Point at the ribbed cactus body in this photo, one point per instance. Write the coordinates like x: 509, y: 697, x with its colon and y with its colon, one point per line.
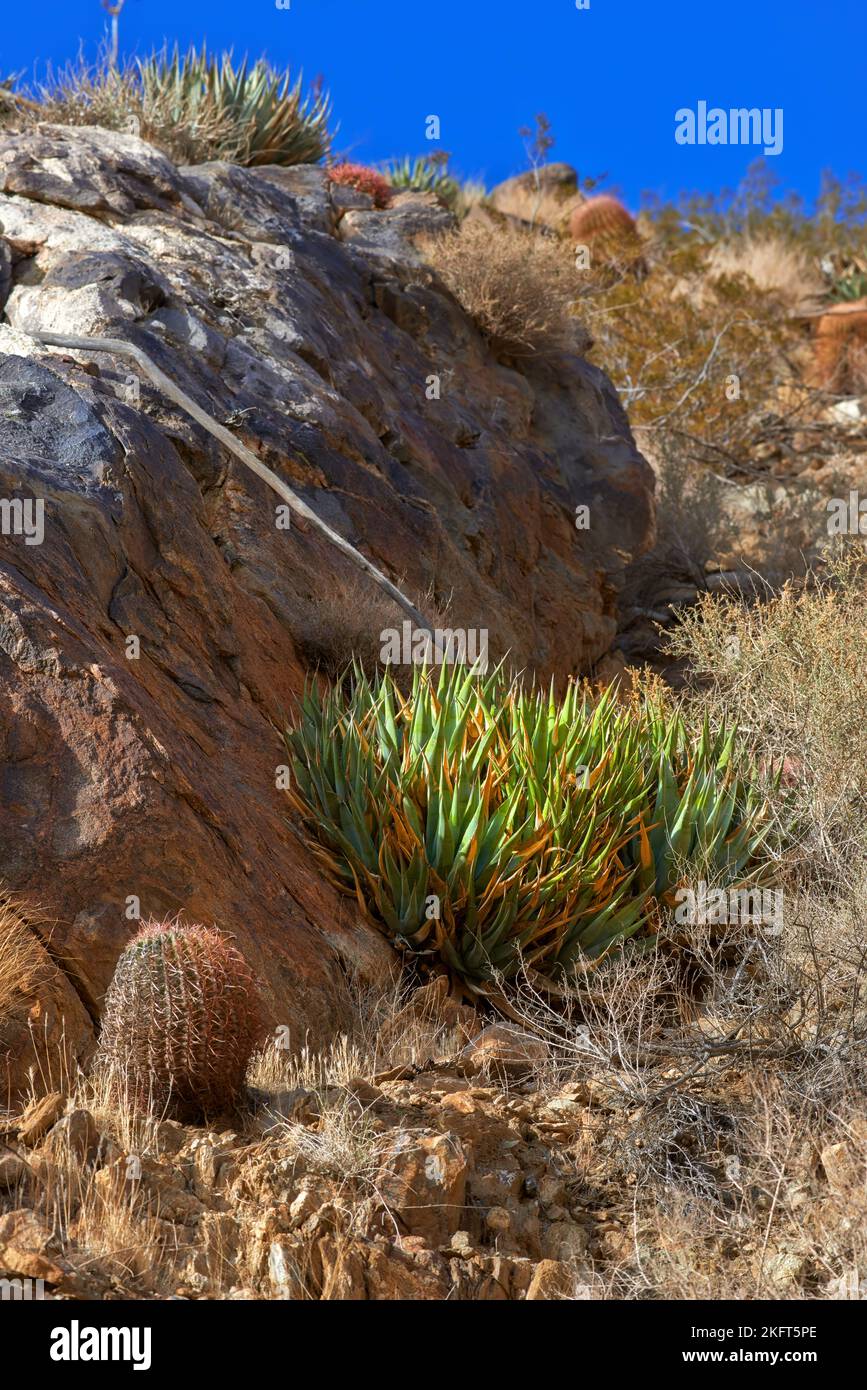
x: 182, y: 1017
x: 605, y: 226
x: 601, y: 217
x: 838, y: 331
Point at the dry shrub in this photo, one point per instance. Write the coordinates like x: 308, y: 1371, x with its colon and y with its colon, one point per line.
x: 726, y: 1081
x: 672, y: 354
x: 790, y: 671
x: 392, y: 1025
x: 776, y: 266
x: 777, y: 1210
x: 343, y: 620
x: 339, y: 624
x: 519, y: 287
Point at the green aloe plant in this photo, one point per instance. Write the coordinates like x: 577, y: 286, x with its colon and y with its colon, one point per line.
x: 704, y: 817
x: 488, y: 824
x: 262, y: 114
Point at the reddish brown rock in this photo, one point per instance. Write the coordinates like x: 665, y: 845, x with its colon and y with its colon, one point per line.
x: 423, y: 1183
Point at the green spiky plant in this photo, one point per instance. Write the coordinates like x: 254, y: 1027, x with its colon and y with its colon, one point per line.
x: 264, y: 117
x: 850, y: 287
x: 424, y: 174
x: 182, y: 1017
x: 544, y: 831
x: 703, y: 817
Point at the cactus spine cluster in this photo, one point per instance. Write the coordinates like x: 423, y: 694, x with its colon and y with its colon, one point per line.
x: 182, y: 1017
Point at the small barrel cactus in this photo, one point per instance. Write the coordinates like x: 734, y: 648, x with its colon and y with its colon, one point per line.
x: 363, y: 180
x: 841, y: 333
x: 182, y: 1018
x: 602, y: 216
x: 604, y: 224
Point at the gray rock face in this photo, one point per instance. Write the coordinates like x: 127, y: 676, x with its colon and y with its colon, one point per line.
x: 145, y: 770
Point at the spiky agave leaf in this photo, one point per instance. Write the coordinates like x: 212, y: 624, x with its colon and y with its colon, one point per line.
x: 422, y: 175
x: 263, y: 116
x: 705, y: 817
x: 546, y: 828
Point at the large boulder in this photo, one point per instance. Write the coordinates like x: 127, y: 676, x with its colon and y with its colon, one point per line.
x: 153, y: 641
x: 546, y: 196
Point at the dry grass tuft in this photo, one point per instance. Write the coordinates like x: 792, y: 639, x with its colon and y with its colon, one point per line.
x: 115, y: 99
x: 775, y: 265
x: 343, y: 620
x: 22, y: 959
x: 519, y: 287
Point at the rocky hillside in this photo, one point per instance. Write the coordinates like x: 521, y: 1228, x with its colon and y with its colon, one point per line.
x: 152, y: 643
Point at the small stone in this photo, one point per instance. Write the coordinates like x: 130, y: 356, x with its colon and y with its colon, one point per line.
x: 169, y: 1137
x: 461, y: 1243
x: 552, y: 1191
x: 423, y: 1182
x: 283, y: 1269
x: 840, y: 1168
x: 498, y: 1220
x: 551, y: 1280
x: 24, y: 1253
x: 364, y: 1091
x: 304, y: 1205
x: 564, y: 1241
x: 784, y: 1270
x: 75, y: 1136
x: 503, y: 1047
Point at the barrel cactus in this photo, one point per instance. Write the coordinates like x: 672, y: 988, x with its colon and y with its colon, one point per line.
x: 604, y: 224
x: 182, y: 1018
x: 363, y: 180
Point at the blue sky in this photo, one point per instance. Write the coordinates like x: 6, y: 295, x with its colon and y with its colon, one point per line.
x: 610, y: 77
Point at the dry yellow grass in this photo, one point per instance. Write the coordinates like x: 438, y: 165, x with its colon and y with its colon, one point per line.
x: 790, y: 670
x: 519, y: 287
x: 22, y: 959
x: 776, y: 266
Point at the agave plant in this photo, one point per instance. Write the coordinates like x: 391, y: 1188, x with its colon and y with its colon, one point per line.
x: 850, y: 287
x: 424, y: 174
x: 263, y: 116
x: 490, y: 825
x: 704, y: 817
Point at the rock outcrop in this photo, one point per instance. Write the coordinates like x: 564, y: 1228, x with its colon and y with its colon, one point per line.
x: 153, y: 642
x: 546, y: 197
